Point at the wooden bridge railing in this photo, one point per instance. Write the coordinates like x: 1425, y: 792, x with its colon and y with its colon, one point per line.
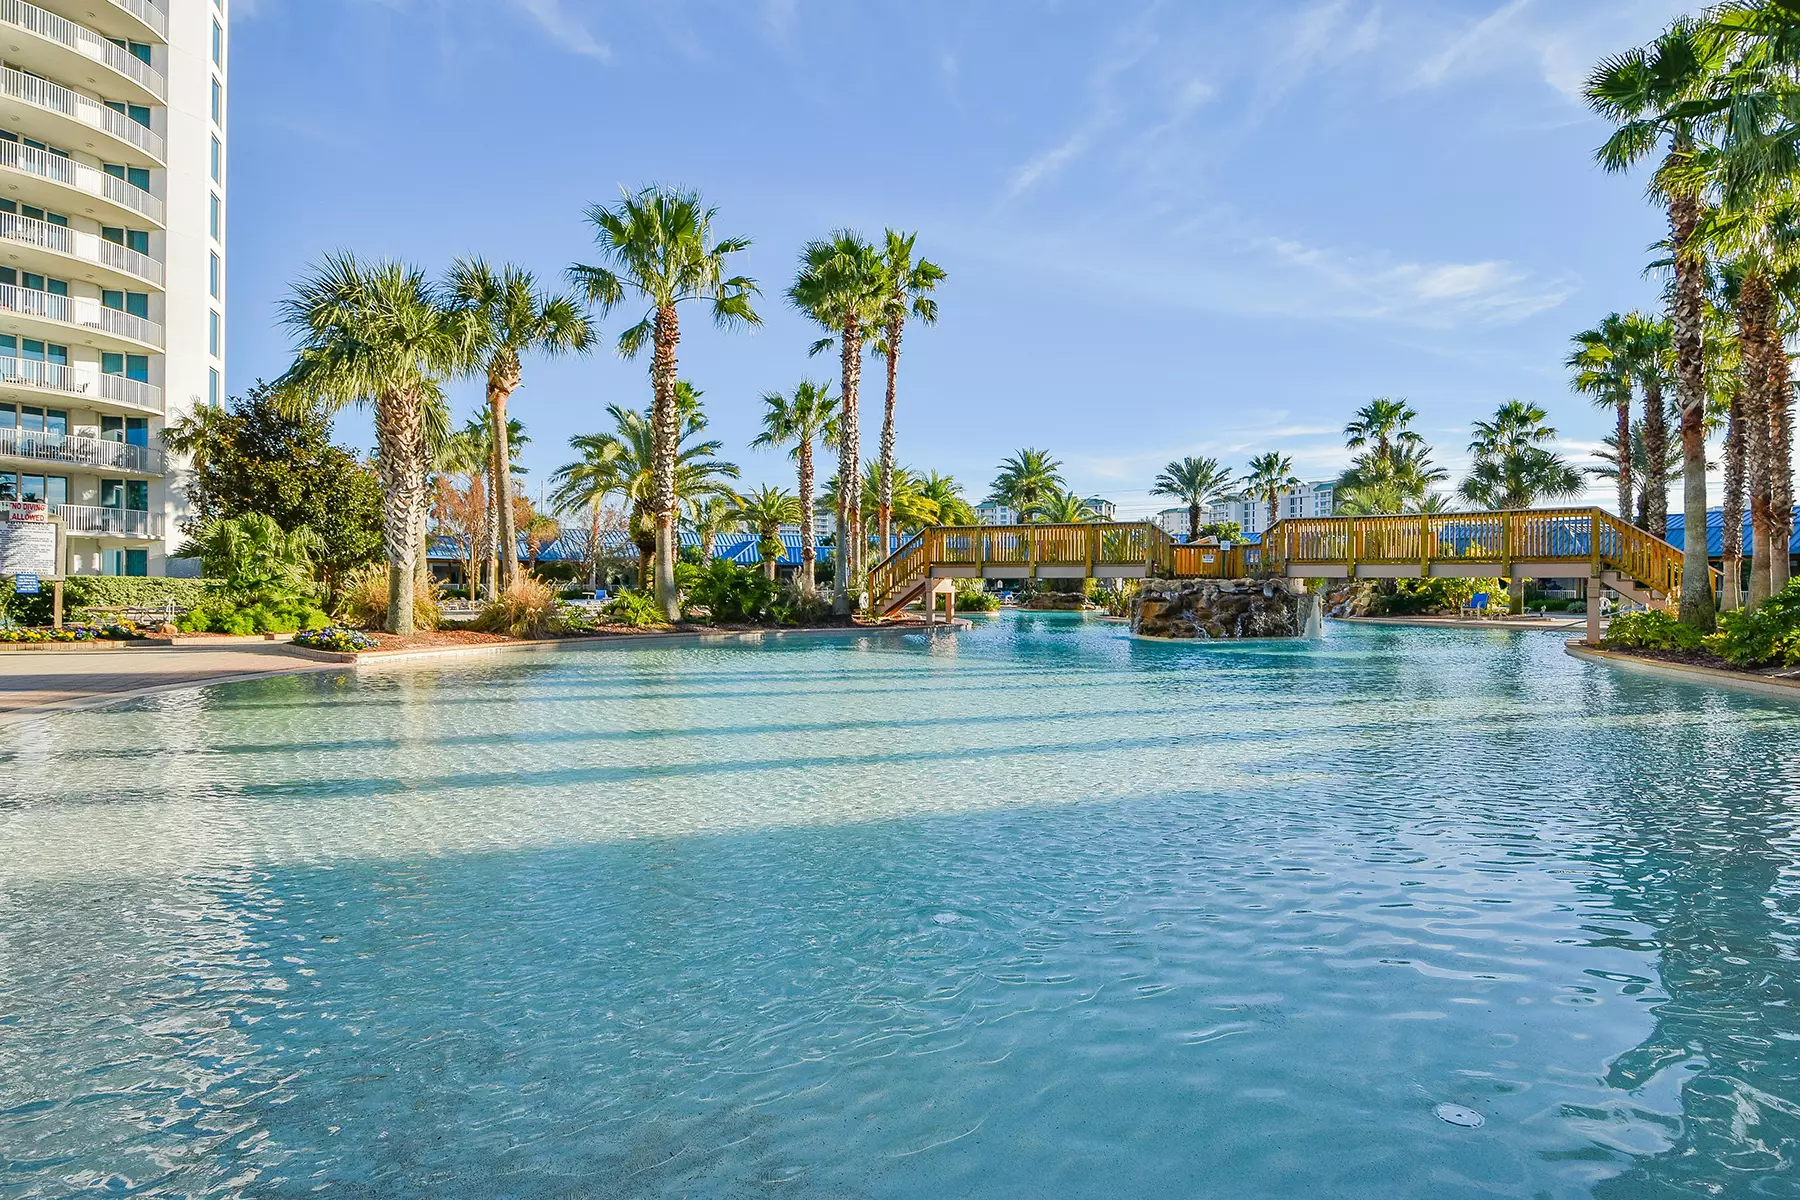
x: 1588, y: 540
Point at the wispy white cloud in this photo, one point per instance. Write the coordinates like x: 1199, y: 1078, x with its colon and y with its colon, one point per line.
x: 566, y: 28
x: 1560, y: 42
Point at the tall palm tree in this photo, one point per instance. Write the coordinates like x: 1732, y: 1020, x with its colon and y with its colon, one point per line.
x: 1381, y: 425
x: 513, y: 318
x: 945, y: 495
x: 603, y: 469
x: 841, y: 286
x: 1636, y: 459
x: 912, y: 510
x: 1062, y: 508
x: 659, y: 244
x: 1598, y: 361
x: 537, y: 530
x: 1027, y: 479
x: 1647, y: 356
x: 471, y: 450
x: 378, y: 334
x: 1649, y: 93
x: 906, y: 291
x: 711, y: 517
x: 766, y: 510
x: 1512, y: 468
x: 802, y: 421
x: 1196, y: 482
x: 1270, y: 475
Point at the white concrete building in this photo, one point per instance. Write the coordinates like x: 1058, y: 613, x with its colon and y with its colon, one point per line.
x: 989, y: 512
x: 1103, y: 509
x: 1309, y: 500
x: 112, y: 262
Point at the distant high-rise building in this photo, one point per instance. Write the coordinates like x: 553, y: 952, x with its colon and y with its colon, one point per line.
x: 112, y: 228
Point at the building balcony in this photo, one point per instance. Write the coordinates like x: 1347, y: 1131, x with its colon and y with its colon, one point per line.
x: 35, y: 382
x: 131, y: 19
x: 87, y: 520
x: 54, y: 316
x: 61, y: 49
x: 120, y: 266
x: 72, y: 118
x: 43, y: 179
x: 98, y: 454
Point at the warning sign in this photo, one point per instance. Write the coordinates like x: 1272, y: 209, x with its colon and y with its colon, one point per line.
x: 28, y: 548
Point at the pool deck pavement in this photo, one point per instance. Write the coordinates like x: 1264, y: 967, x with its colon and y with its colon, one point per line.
x: 37, y: 682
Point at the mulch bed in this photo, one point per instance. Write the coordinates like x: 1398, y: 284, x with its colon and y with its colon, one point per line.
x: 1701, y: 658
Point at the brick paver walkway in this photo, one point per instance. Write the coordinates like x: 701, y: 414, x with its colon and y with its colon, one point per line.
x: 39, y: 680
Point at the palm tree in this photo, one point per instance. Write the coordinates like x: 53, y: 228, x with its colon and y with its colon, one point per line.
x: 256, y: 558
x: 1382, y: 424
x: 1027, y: 479
x: 711, y: 517
x: 470, y: 452
x: 945, y: 495
x: 906, y: 291
x: 841, y: 285
x: 1649, y: 94
x: 766, y: 510
x: 1647, y: 356
x: 513, y: 318
x: 539, y: 530
x: 1598, y: 361
x: 1062, y: 508
x: 912, y: 510
x: 1512, y: 469
x: 602, y: 469
x: 1636, y: 460
x: 630, y: 450
x: 1270, y: 475
x: 659, y: 243
x: 377, y: 334
x: 804, y: 420
x: 1196, y: 482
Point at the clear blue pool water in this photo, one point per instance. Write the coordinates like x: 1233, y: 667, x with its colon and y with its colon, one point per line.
x: 1038, y: 910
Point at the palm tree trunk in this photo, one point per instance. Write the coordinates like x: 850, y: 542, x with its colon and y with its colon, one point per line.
x: 809, y: 542
x: 1781, y: 472
x: 402, y: 471
x: 1624, y: 436
x: 594, y: 549
x: 885, y: 509
x: 1698, y: 608
x: 666, y: 423
x: 1756, y: 308
x: 849, y: 498
x: 500, y: 470
x: 709, y: 541
x: 1731, y: 594
x: 1193, y: 522
x: 1656, y: 454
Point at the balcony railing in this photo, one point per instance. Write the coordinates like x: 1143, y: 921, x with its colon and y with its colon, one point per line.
x: 82, y: 311
x: 91, y: 520
x: 98, y: 453
x: 83, y: 41
x: 150, y: 14
x: 85, y: 246
x: 61, y: 169
x: 76, y: 383
x: 29, y: 89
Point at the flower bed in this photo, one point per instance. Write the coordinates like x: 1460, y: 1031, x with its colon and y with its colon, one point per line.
x: 109, y: 631
x: 344, y: 641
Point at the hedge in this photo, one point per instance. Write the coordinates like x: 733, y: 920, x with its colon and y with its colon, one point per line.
x: 81, y: 592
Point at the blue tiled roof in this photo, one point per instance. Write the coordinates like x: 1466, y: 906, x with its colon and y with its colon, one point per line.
x: 738, y: 547
x: 1715, y: 532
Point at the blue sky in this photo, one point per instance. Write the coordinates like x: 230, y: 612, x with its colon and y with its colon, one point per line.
x: 1179, y: 228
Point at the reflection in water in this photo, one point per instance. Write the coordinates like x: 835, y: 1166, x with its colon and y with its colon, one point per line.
x: 1037, y: 910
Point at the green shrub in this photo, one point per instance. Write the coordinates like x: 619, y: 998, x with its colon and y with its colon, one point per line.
x: 1577, y: 607
x: 364, y: 601
x: 795, y: 607
x: 123, y: 591
x: 1765, y: 637
x: 524, y: 609
x: 1651, y: 629
x: 734, y: 595
x: 221, y: 614
x: 636, y: 609
x: 1413, y: 596
x: 972, y: 596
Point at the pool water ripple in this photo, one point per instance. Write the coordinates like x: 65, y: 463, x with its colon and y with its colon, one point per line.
x: 1035, y: 910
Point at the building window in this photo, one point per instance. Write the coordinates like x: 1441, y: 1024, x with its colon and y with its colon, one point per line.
x: 137, y: 177
x: 212, y: 334
x: 218, y: 44
x: 218, y: 161
x: 216, y: 219
x: 218, y: 103
x: 213, y: 276
x: 212, y: 386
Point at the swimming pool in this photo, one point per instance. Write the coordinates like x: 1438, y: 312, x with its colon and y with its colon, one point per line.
x: 1034, y: 910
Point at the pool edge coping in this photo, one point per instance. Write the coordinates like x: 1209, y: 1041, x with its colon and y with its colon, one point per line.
x: 1786, y: 689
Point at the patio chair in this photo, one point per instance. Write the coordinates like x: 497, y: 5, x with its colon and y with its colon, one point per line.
x: 1476, y: 607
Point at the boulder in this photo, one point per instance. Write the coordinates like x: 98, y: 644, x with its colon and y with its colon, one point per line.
x: 1223, y: 609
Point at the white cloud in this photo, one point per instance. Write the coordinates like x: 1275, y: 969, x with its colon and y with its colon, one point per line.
x: 569, y: 30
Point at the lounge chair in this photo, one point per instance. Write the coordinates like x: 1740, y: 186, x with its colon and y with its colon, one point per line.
x: 1476, y: 607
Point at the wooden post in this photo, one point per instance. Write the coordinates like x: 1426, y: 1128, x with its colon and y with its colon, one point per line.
x: 1426, y: 546
x: 930, y: 601
x: 56, y: 603
x: 950, y: 605
x: 1594, y: 590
